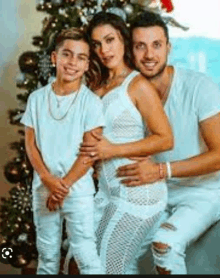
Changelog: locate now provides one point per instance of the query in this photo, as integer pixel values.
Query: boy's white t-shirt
(59, 140)
(193, 98)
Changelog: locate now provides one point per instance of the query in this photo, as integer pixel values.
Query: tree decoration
(13, 171)
(71, 2)
(28, 62)
(15, 116)
(22, 98)
(45, 67)
(21, 199)
(90, 3)
(38, 41)
(167, 5)
(128, 8)
(41, 7)
(20, 259)
(56, 2)
(27, 81)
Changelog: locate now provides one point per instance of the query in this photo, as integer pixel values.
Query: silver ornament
(118, 12)
(22, 237)
(128, 9)
(39, 2)
(56, 2)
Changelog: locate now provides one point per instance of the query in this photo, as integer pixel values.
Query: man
(192, 104)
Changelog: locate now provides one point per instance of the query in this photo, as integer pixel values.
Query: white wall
(201, 16)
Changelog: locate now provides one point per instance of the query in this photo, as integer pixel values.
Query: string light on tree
(128, 9)
(56, 2)
(71, 2)
(45, 67)
(21, 198)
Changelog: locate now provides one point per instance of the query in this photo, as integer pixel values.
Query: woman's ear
(87, 66)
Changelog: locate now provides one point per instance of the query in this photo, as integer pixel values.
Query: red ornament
(167, 5)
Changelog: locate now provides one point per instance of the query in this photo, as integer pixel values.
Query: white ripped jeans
(190, 212)
(79, 214)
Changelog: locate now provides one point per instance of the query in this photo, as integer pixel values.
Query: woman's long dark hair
(98, 70)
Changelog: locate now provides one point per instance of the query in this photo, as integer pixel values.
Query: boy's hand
(56, 199)
(53, 203)
(56, 185)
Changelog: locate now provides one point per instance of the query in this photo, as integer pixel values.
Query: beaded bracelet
(161, 171)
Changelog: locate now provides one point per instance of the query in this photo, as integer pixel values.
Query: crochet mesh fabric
(128, 214)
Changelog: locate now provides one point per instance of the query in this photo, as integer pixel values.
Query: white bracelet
(169, 171)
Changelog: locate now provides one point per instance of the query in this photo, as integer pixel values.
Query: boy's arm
(54, 184)
(80, 168)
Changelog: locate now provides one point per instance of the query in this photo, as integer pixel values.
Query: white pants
(79, 215)
(190, 212)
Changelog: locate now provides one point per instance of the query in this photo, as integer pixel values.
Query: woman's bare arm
(160, 139)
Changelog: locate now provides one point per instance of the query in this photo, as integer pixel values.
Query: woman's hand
(102, 149)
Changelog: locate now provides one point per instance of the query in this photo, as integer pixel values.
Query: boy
(58, 118)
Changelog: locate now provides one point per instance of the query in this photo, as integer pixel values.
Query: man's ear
(169, 46)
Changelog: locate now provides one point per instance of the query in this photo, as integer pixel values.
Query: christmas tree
(17, 227)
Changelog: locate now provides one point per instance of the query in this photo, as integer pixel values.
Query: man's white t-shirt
(193, 98)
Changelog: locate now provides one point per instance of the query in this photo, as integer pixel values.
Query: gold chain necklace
(49, 105)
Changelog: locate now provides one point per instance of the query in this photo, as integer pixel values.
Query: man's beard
(157, 74)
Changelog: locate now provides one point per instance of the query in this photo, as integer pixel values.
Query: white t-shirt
(59, 140)
(193, 98)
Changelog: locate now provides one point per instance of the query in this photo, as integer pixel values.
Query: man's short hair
(149, 19)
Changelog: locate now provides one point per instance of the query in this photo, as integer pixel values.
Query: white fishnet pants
(126, 218)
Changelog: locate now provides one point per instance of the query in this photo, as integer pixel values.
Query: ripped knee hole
(162, 271)
(168, 226)
(160, 247)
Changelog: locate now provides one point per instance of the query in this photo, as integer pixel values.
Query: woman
(126, 216)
